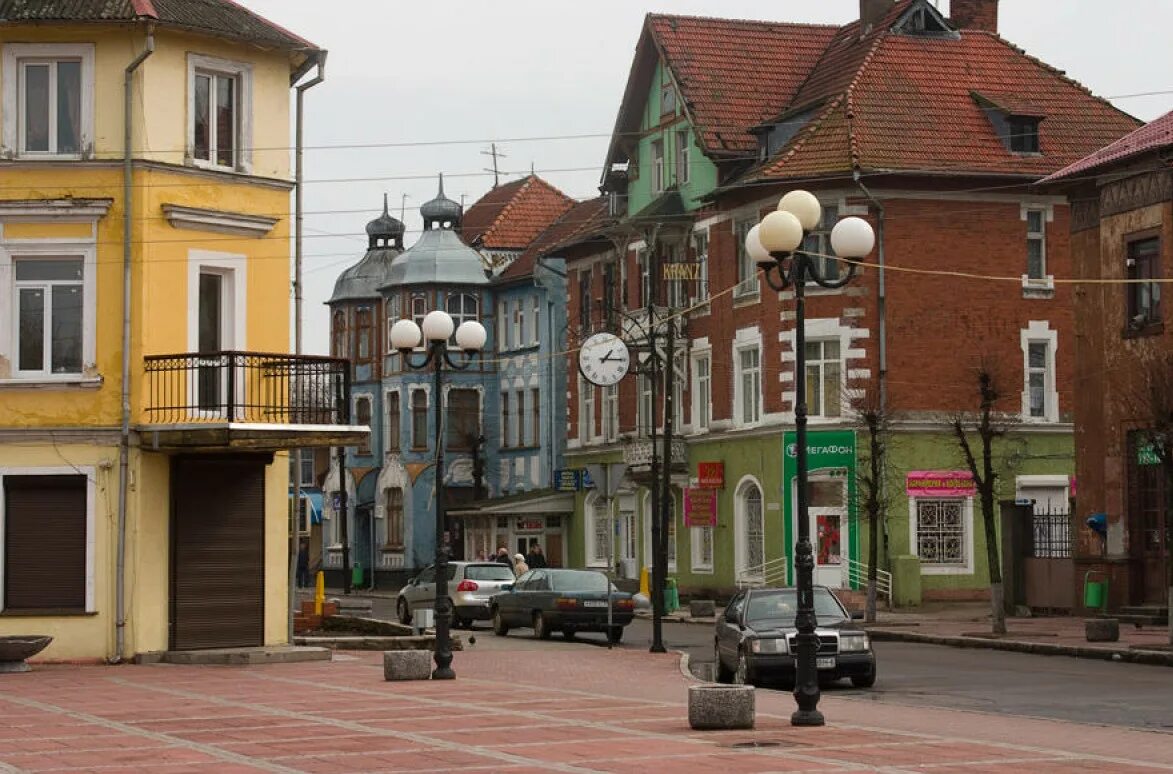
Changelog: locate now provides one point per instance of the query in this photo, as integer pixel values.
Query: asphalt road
(1055, 687)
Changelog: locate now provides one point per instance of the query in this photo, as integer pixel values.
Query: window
(1036, 244)
(700, 242)
(682, 156)
(647, 294)
(586, 414)
(1024, 134)
(1040, 396)
(749, 381)
(51, 319)
(49, 92)
(219, 105)
(537, 333)
(394, 431)
(419, 419)
(462, 307)
(1144, 298)
(362, 416)
(702, 392)
(658, 166)
(306, 471)
(517, 432)
(701, 544)
(519, 332)
(646, 408)
(747, 270)
(824, 378)
(611, 413)
(47, 562)
(750, 547)
(338, 346)
(1036, 378)
(598, 532)
(506, 425)
(679, 381)
(584, 300)
(535, 417)
(667, 98)
(941, 532)
(394, 516)
(463, 418)
(419, 308)
(393, 312)
(677, 289)
(818, 243)
(363, 321)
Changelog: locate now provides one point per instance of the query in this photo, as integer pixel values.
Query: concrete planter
(1102, 629)
(407, 665)
(715, 707)
(14, 650)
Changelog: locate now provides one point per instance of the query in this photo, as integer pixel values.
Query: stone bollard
(407, 664)
(720, 707)
(702, 608)
(1102, 629)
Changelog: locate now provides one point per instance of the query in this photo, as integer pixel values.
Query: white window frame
(586, 411)
(749, 286)
(696, 538)
(701, 286)
(658, 168)
(682, 146)
(968, 525)
(741, 569)
(645, 407)
(820, 364)
(388, 447)
(517, 324)
(702, 410)
(10, 128)
(519, 418)
(1043, 286)
(91, 518)
(536, 339)
(747, 339)
(1040, 332)
(592, 511)
(611, 413)
(243, 73)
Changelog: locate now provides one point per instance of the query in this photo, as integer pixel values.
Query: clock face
(604, 359)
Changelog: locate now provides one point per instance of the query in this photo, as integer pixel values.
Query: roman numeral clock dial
(604, 359)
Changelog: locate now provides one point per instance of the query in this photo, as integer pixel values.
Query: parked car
(569, 601)
(470, 586)
(755, 639)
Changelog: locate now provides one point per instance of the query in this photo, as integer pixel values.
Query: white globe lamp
(471, 336)
(753, 245)
(780, 232)
(852, 238)
(804, 206)
(438, 326)
(405, 334)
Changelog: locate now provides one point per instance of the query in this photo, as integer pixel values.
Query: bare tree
(1150, 403)
(870, 413)
(986, 479)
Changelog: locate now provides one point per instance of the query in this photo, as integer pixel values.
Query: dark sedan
(569, 601)
(755, 639)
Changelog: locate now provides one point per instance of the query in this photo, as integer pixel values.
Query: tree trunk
(997, 595)
(874, 507)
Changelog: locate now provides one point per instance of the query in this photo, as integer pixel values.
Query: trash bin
(671, 596)
(356, 575)
(1095, 593)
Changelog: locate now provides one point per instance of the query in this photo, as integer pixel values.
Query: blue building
(503, 419)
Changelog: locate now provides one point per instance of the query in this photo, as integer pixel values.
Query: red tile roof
(576, 223)
(510, 216)
(1152, 136)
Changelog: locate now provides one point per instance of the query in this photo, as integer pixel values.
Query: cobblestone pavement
(511, 711)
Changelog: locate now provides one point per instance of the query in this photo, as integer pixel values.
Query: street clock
(604, 359)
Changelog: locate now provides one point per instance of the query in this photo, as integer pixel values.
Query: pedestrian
(535, 558)
(503, 556)
(519, 565)
(303, 564)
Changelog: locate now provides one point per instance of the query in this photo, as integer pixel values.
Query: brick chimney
(974, 14)
(870, 12)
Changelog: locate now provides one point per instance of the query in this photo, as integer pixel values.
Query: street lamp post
(406, 337)
(775, 244)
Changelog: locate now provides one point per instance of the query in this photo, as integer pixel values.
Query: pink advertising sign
(940, 483)
(700, 507)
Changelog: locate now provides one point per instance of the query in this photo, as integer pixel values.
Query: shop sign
(1147, 455)
(700, 507)
(568, 479)
(530, 525)
(710, 475)
(940, 483)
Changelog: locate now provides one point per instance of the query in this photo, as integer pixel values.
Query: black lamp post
(406, 336)
(775, 245)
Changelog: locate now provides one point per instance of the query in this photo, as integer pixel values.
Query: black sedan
(755, 639)
(569, 601)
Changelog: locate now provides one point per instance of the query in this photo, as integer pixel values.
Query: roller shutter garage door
(218, 554)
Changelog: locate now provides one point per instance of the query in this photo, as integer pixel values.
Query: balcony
(638, 456)
(248, 401)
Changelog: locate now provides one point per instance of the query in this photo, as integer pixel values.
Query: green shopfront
(834, 529)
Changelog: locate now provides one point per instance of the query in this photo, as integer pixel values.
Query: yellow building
(149, 513)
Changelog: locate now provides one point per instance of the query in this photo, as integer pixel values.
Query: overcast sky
(465, 72)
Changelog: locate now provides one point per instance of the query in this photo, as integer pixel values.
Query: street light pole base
(657, 649)
(807, 718)
(443, 673)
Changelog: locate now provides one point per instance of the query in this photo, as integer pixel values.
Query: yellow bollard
(644, 586)
(319, 593)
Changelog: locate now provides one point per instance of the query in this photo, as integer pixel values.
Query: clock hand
(607, 357)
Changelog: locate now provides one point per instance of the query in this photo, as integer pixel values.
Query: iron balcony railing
(253, 387)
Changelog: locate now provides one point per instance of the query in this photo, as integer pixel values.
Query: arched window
(364, 323)
(750, 532)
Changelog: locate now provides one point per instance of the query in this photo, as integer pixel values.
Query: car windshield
(778, 608)
(578, 580)
(488, 572)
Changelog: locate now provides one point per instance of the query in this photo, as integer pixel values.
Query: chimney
(974, 14)
(870, 12)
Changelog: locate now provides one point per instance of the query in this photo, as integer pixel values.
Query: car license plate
(594, 603)
(825, 663)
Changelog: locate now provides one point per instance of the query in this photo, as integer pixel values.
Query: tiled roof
(221, 18)
(1152, 136)
(579, 221)
(510, 216)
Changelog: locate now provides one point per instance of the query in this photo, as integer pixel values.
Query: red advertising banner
(710, 475)
(940, 483)
(700, 507)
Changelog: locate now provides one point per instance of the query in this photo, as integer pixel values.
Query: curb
(1126, 654)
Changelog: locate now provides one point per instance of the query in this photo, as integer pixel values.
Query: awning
(313, 498)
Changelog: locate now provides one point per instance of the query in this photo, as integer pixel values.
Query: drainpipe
(294, 536)
(124, 443)
(882, 313)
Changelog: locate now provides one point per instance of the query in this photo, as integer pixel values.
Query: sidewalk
(532, 711)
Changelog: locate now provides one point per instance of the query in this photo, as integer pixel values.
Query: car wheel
(568, 634)
(865, 681)
(499, 627)
(742, 676)
(541, 629)
(403, 612)
(723, 674)
(459, 623)
(615, 636)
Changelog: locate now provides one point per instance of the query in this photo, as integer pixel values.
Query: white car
(470, 585)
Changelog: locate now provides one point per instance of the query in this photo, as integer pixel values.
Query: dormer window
(667, 98)
(924, 20)
(1024, 134)
(1014, 120)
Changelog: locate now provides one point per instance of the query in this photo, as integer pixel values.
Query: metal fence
(1051, 534)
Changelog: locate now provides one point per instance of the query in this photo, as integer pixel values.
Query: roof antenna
(402, 206)
(495, 154)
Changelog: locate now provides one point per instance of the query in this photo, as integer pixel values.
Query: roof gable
(510, 217)
(583, 219)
